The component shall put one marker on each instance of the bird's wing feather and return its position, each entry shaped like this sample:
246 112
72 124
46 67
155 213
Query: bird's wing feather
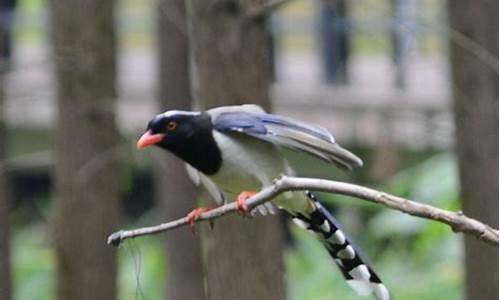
200 179
286 132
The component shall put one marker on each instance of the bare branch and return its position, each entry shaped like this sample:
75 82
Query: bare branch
456 220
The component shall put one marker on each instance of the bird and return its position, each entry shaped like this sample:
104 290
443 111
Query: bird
234 151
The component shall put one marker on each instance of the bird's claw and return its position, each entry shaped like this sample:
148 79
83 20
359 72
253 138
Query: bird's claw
241 201
194 215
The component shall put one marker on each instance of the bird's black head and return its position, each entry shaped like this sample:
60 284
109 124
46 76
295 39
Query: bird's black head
186 134
169 129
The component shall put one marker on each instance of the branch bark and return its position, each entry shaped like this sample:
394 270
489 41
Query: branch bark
456 220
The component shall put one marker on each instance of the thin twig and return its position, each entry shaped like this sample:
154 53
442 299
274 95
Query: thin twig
456 220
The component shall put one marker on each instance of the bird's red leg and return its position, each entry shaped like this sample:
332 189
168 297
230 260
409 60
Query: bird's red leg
240 201
194 215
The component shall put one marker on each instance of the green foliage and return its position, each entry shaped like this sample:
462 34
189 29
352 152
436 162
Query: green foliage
142 269
434 181
141 266
33 263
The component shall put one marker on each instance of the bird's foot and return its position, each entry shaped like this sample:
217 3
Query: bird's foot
194 215
241 201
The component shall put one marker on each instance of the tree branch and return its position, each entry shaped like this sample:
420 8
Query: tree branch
456 220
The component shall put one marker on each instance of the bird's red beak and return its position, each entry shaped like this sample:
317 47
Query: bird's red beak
148 139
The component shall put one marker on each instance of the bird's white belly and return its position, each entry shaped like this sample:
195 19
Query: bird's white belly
248 164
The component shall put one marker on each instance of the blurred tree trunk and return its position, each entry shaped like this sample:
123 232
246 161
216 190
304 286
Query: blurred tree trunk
87 166
475 92
231 67
176 194
5 273
335 40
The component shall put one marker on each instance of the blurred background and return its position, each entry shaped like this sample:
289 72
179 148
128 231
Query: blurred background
411 86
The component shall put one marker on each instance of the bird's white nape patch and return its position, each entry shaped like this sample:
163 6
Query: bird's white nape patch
337 237
360 286
347 253
170 113
360 272
325 226
300 223
380 291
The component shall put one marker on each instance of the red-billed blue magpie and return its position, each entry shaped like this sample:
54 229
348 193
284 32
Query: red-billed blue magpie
235 150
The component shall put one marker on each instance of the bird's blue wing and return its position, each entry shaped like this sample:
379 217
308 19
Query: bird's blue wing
286 132
256 124
241 122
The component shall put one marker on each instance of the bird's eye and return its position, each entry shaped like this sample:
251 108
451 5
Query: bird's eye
171 125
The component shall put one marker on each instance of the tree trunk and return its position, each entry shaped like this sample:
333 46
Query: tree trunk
5 273
87 166
475 92
175 192
230 63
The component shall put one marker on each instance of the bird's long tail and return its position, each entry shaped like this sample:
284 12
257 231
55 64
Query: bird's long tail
359 275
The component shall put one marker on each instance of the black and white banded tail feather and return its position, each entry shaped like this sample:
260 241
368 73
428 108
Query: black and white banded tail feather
359 275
